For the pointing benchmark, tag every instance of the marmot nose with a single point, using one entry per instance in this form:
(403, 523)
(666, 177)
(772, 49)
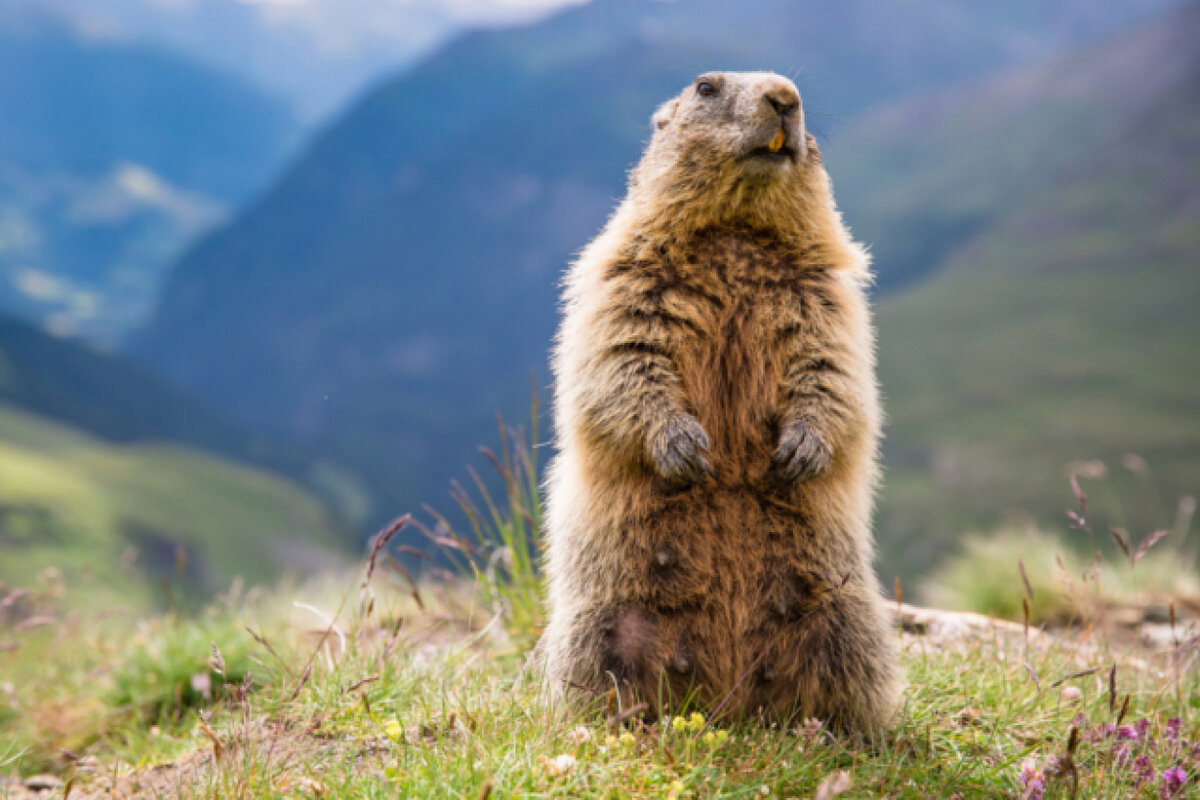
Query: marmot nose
(783, 99)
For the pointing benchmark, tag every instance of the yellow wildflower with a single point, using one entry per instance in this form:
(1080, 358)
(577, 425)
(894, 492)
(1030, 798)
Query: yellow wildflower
(393, 729)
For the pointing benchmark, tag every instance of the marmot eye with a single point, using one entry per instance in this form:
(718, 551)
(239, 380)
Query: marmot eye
(705, 89)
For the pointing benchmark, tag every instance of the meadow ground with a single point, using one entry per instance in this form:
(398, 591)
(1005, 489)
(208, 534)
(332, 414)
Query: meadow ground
(376, 686)
(391, 691)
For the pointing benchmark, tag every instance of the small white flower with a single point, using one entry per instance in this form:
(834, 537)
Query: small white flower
(1070, 693)
(764, 790)
(560, 765)
(579, 735)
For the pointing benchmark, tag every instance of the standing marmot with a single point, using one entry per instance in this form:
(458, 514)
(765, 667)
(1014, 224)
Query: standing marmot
(708, 520)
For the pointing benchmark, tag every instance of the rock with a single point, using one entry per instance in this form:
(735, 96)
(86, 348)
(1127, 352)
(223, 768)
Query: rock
(1156, 636)
(43, 783)
(1156, 613)
(1162, 637)
(944, 626)
(1126, 617)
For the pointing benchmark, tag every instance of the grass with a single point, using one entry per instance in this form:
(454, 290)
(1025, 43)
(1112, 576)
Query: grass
(1065, 587)
(1072, 581)
(501, 552)
(448, 708)
(375, 686)
(115, 682)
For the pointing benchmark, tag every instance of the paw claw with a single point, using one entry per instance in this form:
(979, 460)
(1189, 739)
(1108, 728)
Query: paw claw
(802, 454)
(679, 452)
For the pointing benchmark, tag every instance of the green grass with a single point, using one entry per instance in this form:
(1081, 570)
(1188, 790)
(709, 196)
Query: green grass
(114, 682)
(115, 519)
(447, 707)
(501, 553)
(364, 687)
(1066, 586)
(466, 720)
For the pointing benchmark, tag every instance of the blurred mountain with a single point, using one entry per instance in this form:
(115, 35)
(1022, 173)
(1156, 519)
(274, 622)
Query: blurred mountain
(112, 156)
(109, 398)
(100, 393)
(106, 395)
(1055, 216)
(392, 291)
(118, 480)
(121, 522)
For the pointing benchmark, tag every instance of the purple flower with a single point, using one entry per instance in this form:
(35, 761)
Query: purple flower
(1142, 726)
(1121, 754)
(1171, 731)
(1173, 779)
(1127, 732)
(1101, 731)
(1032, 779)
(1143, 769)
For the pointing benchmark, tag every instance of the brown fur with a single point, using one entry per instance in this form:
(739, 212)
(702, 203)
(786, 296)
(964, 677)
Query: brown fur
(708, 526)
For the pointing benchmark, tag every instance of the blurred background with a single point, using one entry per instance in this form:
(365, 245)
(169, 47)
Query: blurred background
(269, 269)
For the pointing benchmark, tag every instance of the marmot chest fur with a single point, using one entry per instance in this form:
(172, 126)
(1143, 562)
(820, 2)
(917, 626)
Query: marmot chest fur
(716, 413)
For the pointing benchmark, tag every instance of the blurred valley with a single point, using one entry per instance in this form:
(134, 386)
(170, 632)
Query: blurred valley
(112, 157)
(328, 317)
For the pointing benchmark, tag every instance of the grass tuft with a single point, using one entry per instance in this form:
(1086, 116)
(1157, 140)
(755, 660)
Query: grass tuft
(1020, 572)
(501, 553)
(168, 670)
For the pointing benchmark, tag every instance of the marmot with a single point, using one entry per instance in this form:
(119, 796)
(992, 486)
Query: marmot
(716, 415)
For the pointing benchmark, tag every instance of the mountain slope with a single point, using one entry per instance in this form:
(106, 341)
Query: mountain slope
(112, 156)
(114, 520)
(1057, 323)
(394, 289)
(122, 403)
(103, 394)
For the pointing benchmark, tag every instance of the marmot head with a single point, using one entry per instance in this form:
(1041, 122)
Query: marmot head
(750, 118)
(731, 148)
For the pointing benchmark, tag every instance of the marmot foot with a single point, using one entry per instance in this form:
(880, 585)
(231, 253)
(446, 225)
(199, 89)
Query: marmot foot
(802, 454)
(679, 449)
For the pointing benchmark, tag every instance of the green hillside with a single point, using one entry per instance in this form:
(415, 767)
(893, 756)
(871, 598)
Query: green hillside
(114, 519)
(1057, 211)
(116, 400)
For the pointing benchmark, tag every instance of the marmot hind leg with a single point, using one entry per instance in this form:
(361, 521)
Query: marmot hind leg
(631, 650)
(841, 665)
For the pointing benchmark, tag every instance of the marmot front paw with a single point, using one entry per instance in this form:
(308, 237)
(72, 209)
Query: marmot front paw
(679, 451)
(802, 454)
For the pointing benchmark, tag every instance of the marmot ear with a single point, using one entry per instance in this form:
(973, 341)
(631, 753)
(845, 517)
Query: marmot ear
(664, 114)
(810, 147)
